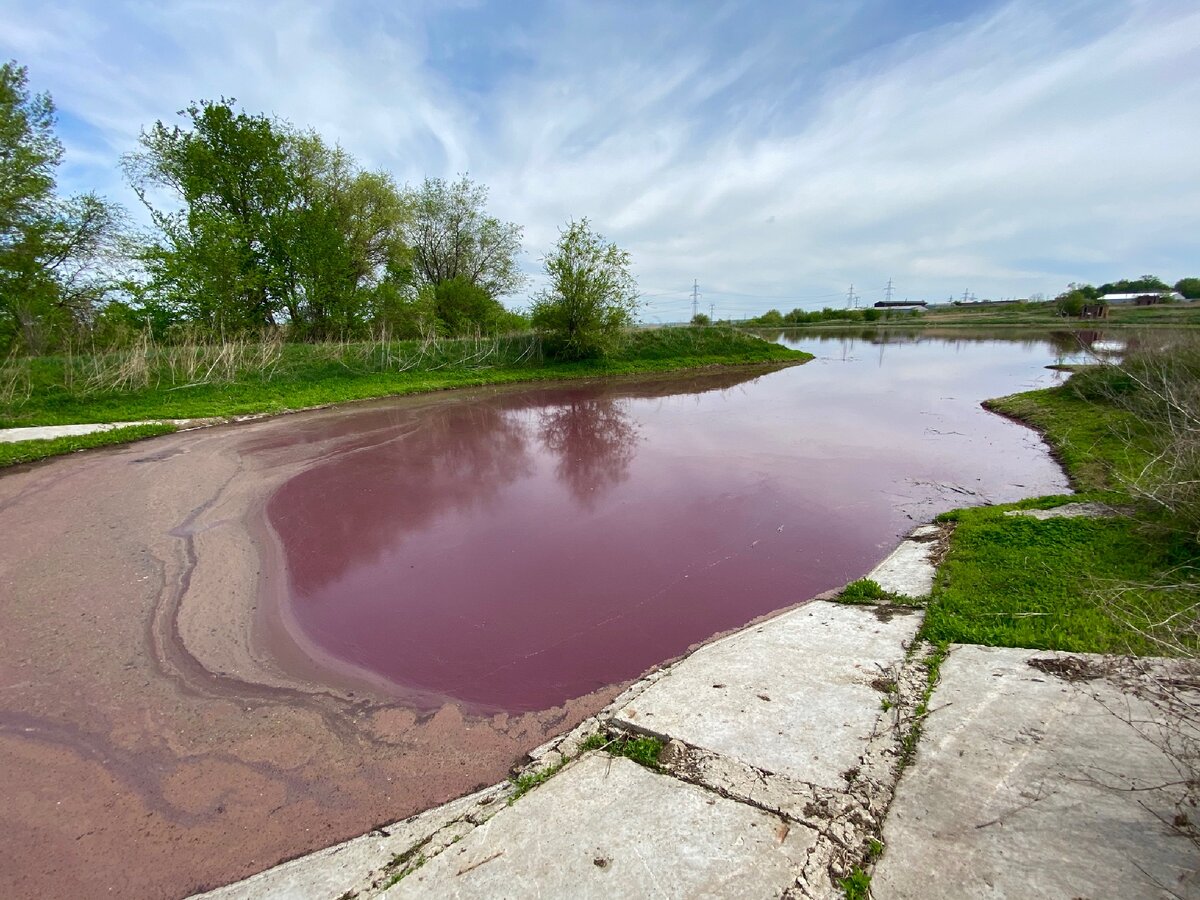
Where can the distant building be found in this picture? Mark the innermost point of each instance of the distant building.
(1094, 311)
(901, 304)
(1142, 298)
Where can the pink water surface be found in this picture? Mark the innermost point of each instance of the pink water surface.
(512, 549)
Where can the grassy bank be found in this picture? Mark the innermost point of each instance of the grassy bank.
(238, 378)
(15, 453)
(1118, 584)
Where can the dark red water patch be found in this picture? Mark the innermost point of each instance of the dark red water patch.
(512, 550)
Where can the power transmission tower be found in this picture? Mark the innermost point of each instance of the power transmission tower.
(712, 312)
(966, 294)
(695, 297)
(887, 292)
(851, 298)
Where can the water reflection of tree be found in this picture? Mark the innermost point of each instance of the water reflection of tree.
(595, 439)
(365, 499)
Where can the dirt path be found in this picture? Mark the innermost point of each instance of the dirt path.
(152, 744)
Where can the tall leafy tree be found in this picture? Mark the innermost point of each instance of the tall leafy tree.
(222, 257)
(267, 225)
(59, 257)
(452, 236)
(591, 295)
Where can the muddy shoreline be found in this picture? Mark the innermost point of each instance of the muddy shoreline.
(155, 738)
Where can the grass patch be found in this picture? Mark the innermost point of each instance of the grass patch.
(197, 381)
(642, 750)
(1014, 581)
(1086, 585)
(868, 592)
(1097, 444)
(18, 452)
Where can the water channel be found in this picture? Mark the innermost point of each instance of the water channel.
(508, 550)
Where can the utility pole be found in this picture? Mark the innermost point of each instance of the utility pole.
(887, 292)
(695, 297)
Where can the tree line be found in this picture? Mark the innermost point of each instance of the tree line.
(257, 224)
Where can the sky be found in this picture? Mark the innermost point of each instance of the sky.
(774, 152)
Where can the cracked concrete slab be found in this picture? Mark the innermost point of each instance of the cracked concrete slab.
(606, 827)
(1029, 784)
(798, 695)
(909, 569)
(354, 865)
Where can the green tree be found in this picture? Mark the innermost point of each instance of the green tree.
(1072, 302)
(1147, 283)
(1189, 287)
(268, 225)
(462, 307)
(701, 319)
(222, 256)
(59, 257)
(452, 236)
(591, 295)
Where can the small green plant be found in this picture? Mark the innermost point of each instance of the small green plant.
(856, 885)
(868, 592)
(642, 750)
(523, 784)
(874, 850)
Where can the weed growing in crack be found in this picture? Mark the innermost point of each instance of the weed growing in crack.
(856, 885)
(932, 664)
(407, 863)
(642, 750)
(523, 784)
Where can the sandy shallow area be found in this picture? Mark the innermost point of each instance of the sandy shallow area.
(157, 736)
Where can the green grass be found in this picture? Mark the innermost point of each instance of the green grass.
(18, 452)
(1014, 581)
(306, 375)
(1097, 444)
(864, 591)
(642, 750)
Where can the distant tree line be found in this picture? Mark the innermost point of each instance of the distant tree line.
(773, 318)
(259, 225)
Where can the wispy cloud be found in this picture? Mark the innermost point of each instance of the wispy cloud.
(769, 150)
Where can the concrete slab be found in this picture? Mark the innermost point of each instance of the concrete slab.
(47, 432)
(606, 827)
(329, 873)
(908, 569)
(1067, 511)
(1022, 788)
(793, 695)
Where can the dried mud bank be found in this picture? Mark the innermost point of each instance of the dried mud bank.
(159, 733)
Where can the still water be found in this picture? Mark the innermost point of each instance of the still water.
(512, 549)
